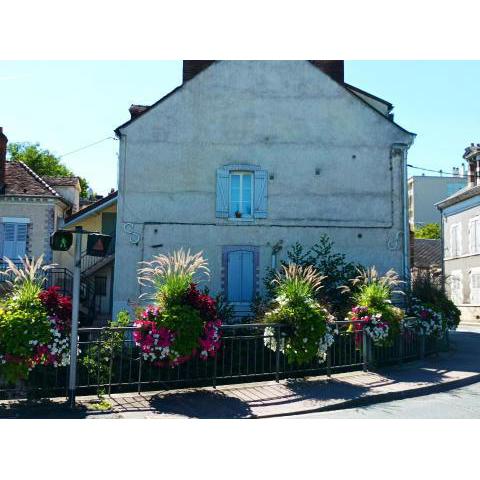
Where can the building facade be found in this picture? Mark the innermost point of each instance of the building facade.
(461, 241)
(31, 208)
(425, 191)
(247, 157)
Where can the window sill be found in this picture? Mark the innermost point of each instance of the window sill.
(241, 219)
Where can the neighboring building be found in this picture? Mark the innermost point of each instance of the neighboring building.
(31, 208)
(426, 256)
(461, 241)
(97, 272)
(425, 191)
(247, 154)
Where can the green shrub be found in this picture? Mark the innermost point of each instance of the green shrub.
(309, 324)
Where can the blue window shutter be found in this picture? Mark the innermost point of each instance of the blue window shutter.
(221, 209)
(260, 192)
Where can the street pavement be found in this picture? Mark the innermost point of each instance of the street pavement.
(459, 403)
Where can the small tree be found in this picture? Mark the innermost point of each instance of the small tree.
(43, 162)
(430, 231)
(330, 264)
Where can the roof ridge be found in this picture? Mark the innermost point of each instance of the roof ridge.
(41, 180)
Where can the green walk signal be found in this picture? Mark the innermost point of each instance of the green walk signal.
(97, 244)
(61, 240)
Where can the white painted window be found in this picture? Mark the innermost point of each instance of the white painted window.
(241, 194)
(474, 234)
(475, 286)
(455, 240)
(456, 287)
(14, 240)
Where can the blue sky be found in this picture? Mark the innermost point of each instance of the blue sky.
(67, 105)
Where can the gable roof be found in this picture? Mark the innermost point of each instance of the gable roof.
(94, 207)
(427, 253)
(349, 88)
(21, 180)
(62, 181)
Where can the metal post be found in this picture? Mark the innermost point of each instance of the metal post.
(214, 371)
(72, 381)
(277, 356)
(422, 345)
(401, 352)
(329, 362)
(365, 350)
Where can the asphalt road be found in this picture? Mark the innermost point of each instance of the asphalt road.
(459, 403)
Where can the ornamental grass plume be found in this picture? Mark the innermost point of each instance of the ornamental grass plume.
(171, 275)
(295, 281)
(27, 279)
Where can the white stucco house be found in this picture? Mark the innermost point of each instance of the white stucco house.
(245, 156)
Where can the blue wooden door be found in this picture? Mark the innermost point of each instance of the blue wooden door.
(240, 276)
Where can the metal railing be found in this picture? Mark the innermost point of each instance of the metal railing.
(109, 361)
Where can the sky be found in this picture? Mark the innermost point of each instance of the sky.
(67, 105)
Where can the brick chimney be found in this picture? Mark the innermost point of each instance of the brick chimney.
(333, 68)
(3, 159)
(194, 67)
(137, 110)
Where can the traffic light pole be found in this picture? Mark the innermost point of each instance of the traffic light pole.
(72, 381)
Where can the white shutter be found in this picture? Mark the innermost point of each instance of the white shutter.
(476, 226)
(221, 209)
(471, 235)
(260, 192)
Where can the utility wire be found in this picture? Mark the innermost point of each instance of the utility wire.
(86, 146)
(428, 169)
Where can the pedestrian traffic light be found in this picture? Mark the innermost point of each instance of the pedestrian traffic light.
(97, 244)
(61, 240)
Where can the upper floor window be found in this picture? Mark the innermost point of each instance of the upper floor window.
(455, 240)
(474, 234)
(241, 192)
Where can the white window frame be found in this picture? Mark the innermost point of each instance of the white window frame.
(458, 240)
(474, 246)
(474, 292)
(456, 295)
(242, 173)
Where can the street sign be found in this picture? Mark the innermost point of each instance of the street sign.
(97, 244)
(61, 240)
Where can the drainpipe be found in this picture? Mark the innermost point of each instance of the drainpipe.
(401, 149)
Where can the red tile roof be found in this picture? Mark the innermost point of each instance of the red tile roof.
(23, 181)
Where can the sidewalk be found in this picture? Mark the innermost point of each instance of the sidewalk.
(459, 367)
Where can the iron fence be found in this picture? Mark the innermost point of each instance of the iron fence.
(109, 362)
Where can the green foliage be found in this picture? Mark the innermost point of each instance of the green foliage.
(97, 358)
(19, 323)
(328, 263)
(225, 310)
(43, 162)
(294, 305)
(187, 324)
(371, 290)
(430, 231)
(427, 288)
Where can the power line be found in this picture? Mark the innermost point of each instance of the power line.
(86, 146)
(429, 170)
